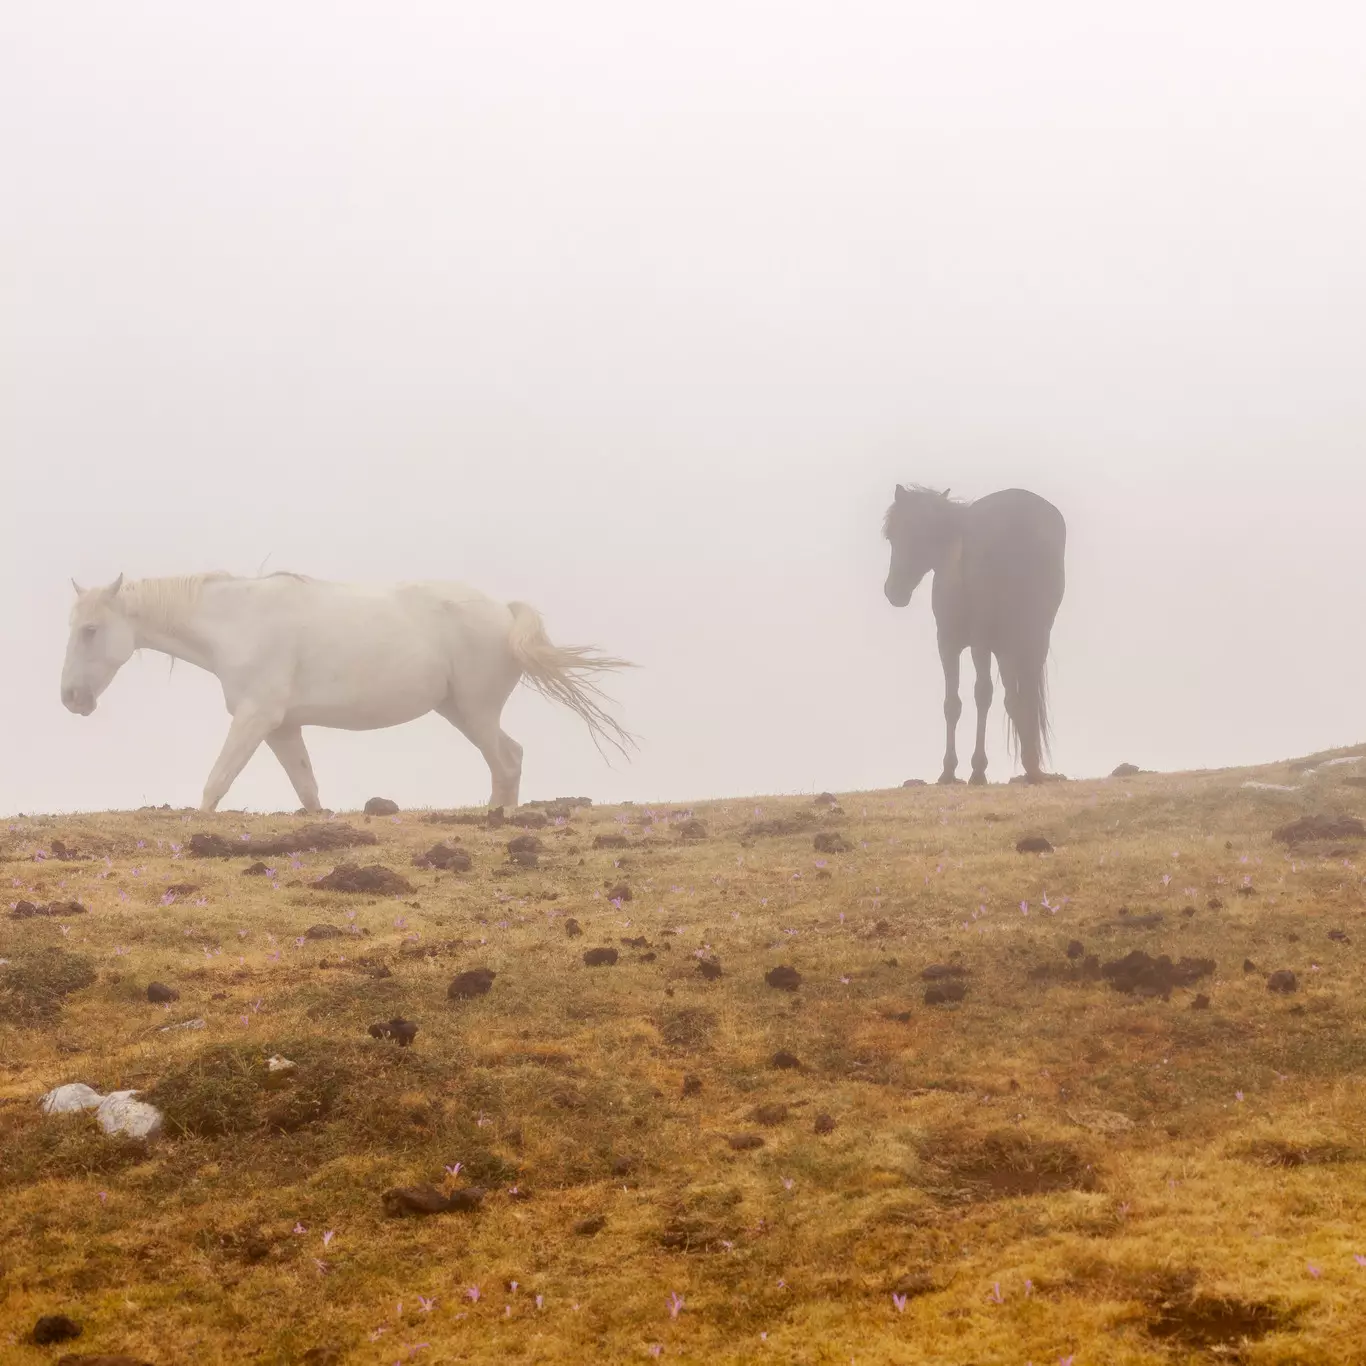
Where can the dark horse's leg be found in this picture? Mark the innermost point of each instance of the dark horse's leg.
(950, 656)
(981, 662)
(1025, 703)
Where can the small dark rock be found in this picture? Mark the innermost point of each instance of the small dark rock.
(1282, 980)
(1126, 771)
(825, 1124)
(572, 928)
(375, 879)
(710, 968)
(586, 1228)
(160, 994)
(915, 782)
(1214, 904)
(1201, 1002)
(692, 1085)
(1034, 844)
(324, 932)
(1188, 911)
(944, 993)
(474, 982)
(598, 958)
(769, 1115)
(445, 857)
(530, 820)
(743, 1143)
(381, 806)
(693, 830)
(1319, 828)
(823, 799)
(1250, 966)
(638, 941)
(620, 892)
(784, 978)
(404, 1031)
(831, 842)
(1138, 973)
(1075, 948)
(524, 844)
(55, 1328)
(24, 910)
(785, 1060)
(611, 842)
(403, 1201)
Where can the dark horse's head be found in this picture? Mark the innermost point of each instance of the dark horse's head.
(920, 526)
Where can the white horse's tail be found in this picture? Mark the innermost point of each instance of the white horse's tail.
(563, 673)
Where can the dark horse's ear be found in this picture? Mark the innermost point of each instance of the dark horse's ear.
(945, 494)
(900, 493)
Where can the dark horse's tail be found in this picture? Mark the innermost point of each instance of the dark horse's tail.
(1031, 710)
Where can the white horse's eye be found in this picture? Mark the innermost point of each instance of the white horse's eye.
(88, 632)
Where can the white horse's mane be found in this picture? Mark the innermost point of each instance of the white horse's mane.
(164, 603)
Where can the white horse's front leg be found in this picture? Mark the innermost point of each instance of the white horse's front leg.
(287, 744)
(250, 726)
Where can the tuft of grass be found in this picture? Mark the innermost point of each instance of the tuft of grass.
(35, 983)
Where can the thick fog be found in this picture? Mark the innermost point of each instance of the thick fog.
(638, 313)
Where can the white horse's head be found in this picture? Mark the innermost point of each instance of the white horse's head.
(100, 644)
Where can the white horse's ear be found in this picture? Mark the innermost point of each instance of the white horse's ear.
(110, 593)
(80, 592)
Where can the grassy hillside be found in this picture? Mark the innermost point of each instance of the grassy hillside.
(1049, 1169)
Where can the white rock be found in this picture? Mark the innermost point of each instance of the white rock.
(120, 1113)
(184, 1024)
(71, 1099)
(279, 1072)
(1269, 787)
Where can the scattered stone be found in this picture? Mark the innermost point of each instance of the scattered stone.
(71, 1099)
(572, 928)
(710, 968)
(1034, 844)
(944, 993)
(59, 849)
(257, 869)
(324, 932)
(403, 1201)
(825, 1124)
(1126, 771)
(53, 1328)
(120, 1113)
(403, 1031)
(318, 838)
(524, 844)
(744, 1143)
(374, 878)
(692, 830)
(197, 1023)
(785, 1060)
(160, 994)
(445, 857)
(770, 1115)
(620, 892)
(473, 982)
(597, 958)
(831, 842)
(1138, 973)
(1214, 904)
(530, 820)
(611, 842)
(1108, 1122)
(1075, 948)
(381, 806)
(1201, 1002)
(280, 1072)
(1282, 980)
(586, 1228)
(784, 978)
(1319, 828)
(915, 782)
(692, 1085)
(26, 910)
(1250, 966)
(638, 941)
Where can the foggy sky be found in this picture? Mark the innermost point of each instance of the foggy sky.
(638, 313)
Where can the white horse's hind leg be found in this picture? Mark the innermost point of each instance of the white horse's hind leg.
(287, 744)
(250, 725)
(501, 752)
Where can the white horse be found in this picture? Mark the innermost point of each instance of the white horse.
(292, 651)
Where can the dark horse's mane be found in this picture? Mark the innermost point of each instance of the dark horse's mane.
(923, 491)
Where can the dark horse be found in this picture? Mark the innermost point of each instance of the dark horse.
(998, 583)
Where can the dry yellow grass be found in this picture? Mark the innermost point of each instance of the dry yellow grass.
(1048, 1170)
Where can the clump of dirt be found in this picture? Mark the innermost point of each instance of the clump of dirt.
(785, 1061)
(454, 818)
(33, 985)
(159, 994)
(692, 1085)
(940, 972)
(257, 869)
(1003, 1164)
(445, 857)
(307, 839)
(943, 993)
(831, 842)
(620, 892)
(324, 932)
(374, 878)
(784, 978)
(825, 1124)
(709, 968)
(381, 806)
(611, 842)
(26, 910)
(745, 1143)
(530, 820)
(572, 928)
(1033, 844)
(689, 1029)
(1275, 1152)
(770, 1115)
(1319, 828)
(1282, 980)
(59, 849)
(524, 844)
(692, 830)
(1179, 1314)
(1126, 771)
(406, 1201)
(600, 958)
(467, 985)
(1140, 974)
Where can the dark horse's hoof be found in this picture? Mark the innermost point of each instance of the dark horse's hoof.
(946, 779)
(978, 780)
